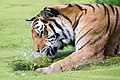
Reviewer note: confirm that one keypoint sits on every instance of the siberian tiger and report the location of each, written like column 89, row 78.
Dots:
column 94, row 29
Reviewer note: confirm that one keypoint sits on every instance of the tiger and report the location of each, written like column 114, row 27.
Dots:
column 94, row 30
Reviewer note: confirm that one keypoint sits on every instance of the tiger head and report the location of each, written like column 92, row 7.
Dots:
column 51, row 30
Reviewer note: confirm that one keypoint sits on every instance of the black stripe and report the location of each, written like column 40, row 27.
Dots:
column 76, row 23
column 35, row 23
column 56, row 34
column 84, row 45
column 55, row 49
column 117, row 19
column 58, row 25
column 107, row 11
column 41, row 27
column 70, row 36
column 104, row 7
column 52, row 50
column 98, row 6
column 100, row 50
column 83, row 36
column 32, row 19
column 37, row 27
column 91, row 6
column 97, row 39
column 79, row 6
column 43, row 50
column 36, row 20
column 64, row 35
column 51, row 40
column 51, row 37
column 68, row 33
column 51, row 26
column 48, row 53
column 108, row 25
column 41, row 33
column 108, row 20
column 67, row 18
column 112, row 8
column 71, row 40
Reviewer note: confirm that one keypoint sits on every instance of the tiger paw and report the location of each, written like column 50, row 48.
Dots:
column 52, row 68
column 44, row 70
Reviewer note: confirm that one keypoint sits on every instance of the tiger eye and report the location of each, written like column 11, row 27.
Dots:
column 44, row 21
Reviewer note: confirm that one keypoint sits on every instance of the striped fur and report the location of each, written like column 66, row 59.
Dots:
column 93, row 28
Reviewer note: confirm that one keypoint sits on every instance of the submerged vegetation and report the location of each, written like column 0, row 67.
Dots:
column 17, row 59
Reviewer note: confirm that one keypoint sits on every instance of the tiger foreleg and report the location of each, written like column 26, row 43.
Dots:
column 74, row 60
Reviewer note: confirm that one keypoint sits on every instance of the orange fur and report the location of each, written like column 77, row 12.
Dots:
column 93, row 25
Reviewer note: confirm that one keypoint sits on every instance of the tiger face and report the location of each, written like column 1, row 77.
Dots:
column 49, row 35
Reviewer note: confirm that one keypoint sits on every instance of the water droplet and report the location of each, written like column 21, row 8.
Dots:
column 36, row 54
column 23, row 74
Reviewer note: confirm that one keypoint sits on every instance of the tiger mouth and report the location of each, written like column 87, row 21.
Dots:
column 49, row 51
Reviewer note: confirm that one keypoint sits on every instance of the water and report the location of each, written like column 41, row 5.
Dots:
column 32, row 59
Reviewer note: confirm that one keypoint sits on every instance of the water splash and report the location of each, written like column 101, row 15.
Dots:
column 33, row 59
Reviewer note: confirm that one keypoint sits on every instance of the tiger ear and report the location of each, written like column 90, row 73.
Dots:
column 29, row 21
column 49, row 12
